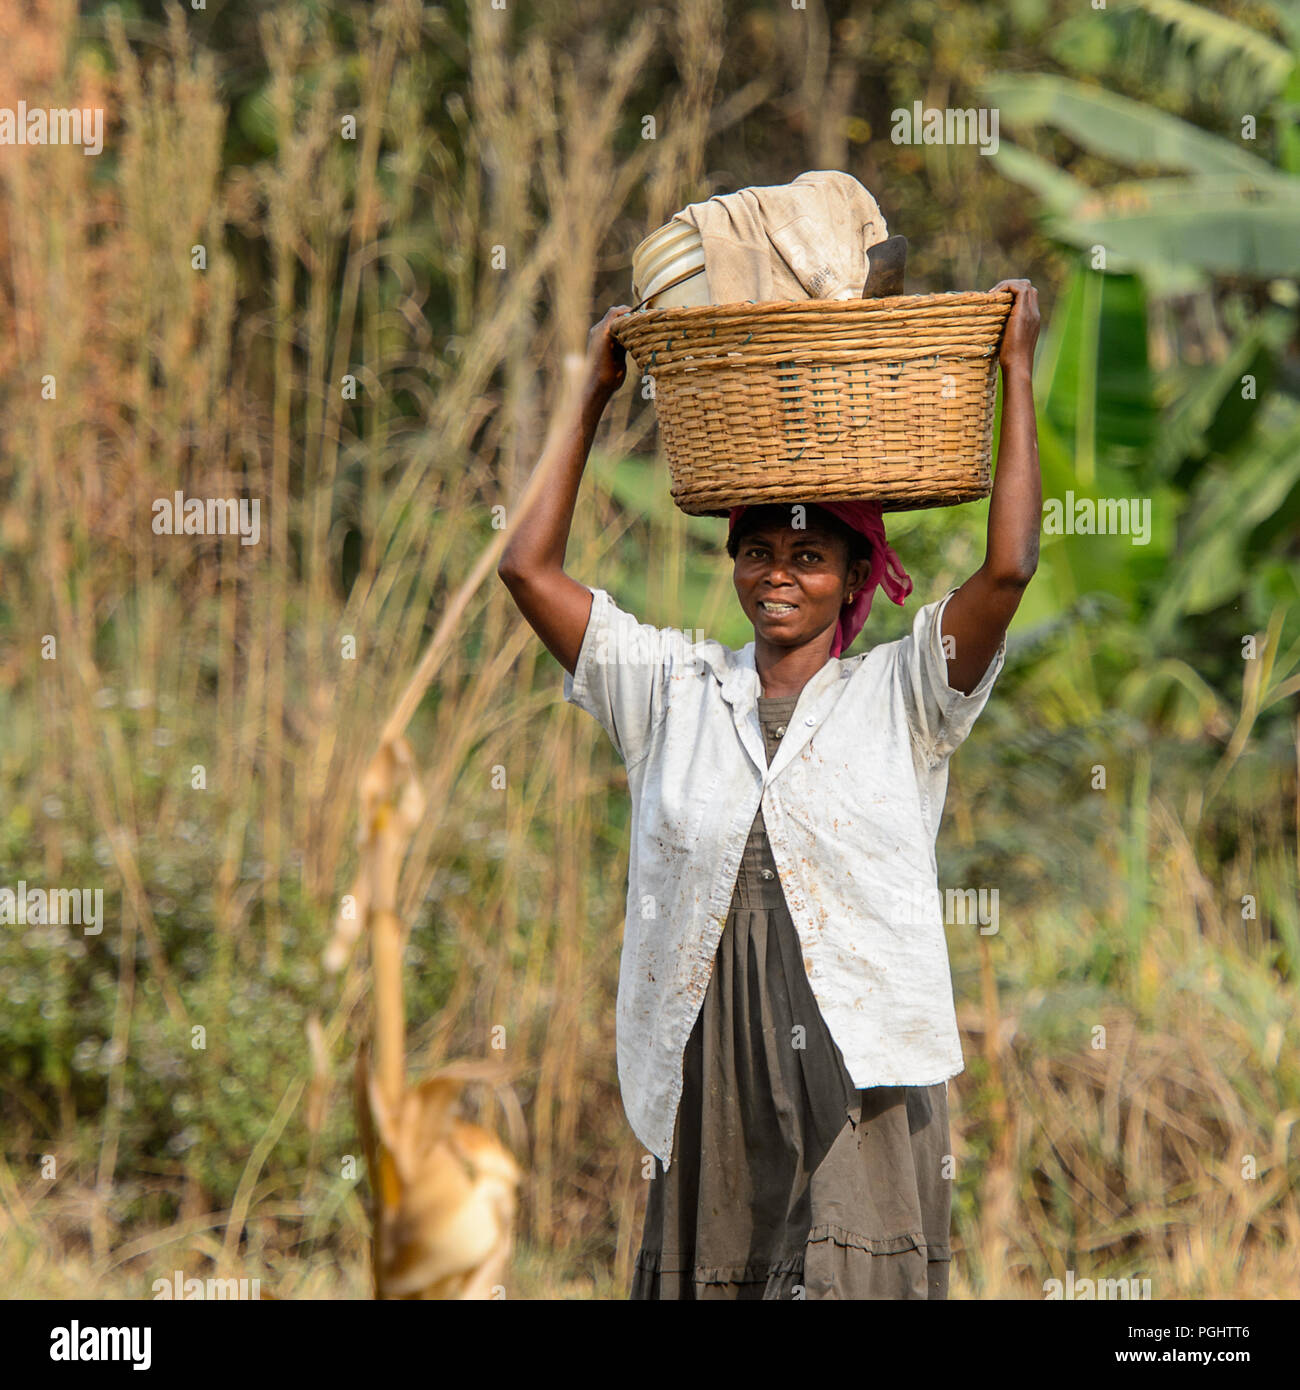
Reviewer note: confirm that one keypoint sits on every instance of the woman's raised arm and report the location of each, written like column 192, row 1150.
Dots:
column 532, row 565
column 979, row 613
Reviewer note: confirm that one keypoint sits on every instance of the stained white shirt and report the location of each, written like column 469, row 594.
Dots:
column 851, row 804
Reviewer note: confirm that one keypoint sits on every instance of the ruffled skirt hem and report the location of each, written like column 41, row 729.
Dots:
column 840, row 1263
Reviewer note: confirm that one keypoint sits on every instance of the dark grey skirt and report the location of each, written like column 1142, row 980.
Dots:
column 786, row 1181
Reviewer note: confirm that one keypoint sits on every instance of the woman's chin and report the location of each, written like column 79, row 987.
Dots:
column 785, row 633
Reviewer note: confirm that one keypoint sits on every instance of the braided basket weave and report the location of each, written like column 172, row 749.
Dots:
column 887, row 400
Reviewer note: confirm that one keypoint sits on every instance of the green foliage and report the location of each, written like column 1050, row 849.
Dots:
column 1217, row 455
column 1098, row 386
column 1129, row 132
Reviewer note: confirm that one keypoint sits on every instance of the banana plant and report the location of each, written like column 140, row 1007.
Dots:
column 1218, row 466
column 1221, row 208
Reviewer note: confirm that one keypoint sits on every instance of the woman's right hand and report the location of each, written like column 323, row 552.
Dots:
column 1017, row 350
column 606, row 356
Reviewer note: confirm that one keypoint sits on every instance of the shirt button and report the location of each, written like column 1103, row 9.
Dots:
column 766, row 873
column 780, row 731
column 810, row 721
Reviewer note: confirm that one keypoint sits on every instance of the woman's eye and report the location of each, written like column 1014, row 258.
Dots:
column 756, row 553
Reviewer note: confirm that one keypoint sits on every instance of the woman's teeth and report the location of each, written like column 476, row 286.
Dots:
column 776, row 607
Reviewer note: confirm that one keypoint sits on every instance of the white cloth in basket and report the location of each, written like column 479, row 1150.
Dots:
column 802, row 240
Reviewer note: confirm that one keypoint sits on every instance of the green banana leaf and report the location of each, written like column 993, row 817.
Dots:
column 1216, row 42
column 1058, row 191
column 1232, row 510
column 1093, row 380
column 1206, row 408
column 1209, row 224
column 1127, row 131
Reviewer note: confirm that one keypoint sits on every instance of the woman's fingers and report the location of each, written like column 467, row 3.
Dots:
column 1022, row 323
column 1025, row 298
column 606, row 355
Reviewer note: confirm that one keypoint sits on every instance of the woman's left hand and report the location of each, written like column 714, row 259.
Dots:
column 1022, row 325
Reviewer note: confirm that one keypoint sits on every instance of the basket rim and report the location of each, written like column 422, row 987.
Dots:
column 850, row 308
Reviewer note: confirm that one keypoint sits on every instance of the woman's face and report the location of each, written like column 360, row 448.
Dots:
column 792, row 583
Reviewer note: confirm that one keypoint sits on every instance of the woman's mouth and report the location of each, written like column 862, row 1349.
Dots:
column 774, row 609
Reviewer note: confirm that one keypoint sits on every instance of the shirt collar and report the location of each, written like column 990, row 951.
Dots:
column 738, row 676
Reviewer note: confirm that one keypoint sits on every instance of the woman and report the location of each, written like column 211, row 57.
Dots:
column 786, row 1027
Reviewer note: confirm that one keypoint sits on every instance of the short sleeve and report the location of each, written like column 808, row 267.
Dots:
column 621, row 675
column 940, row 716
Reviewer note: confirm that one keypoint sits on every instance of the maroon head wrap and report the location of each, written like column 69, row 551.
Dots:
column 886, row 568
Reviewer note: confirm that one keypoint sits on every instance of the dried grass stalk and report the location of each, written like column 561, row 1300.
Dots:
column 444, row 1191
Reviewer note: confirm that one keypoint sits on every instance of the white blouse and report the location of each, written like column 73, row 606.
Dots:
column 851, row 803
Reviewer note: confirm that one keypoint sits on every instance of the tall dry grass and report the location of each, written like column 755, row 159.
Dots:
column 376, row 259
column 178, row 652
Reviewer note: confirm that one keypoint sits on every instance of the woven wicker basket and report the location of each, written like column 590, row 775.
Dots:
column 887, row 400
